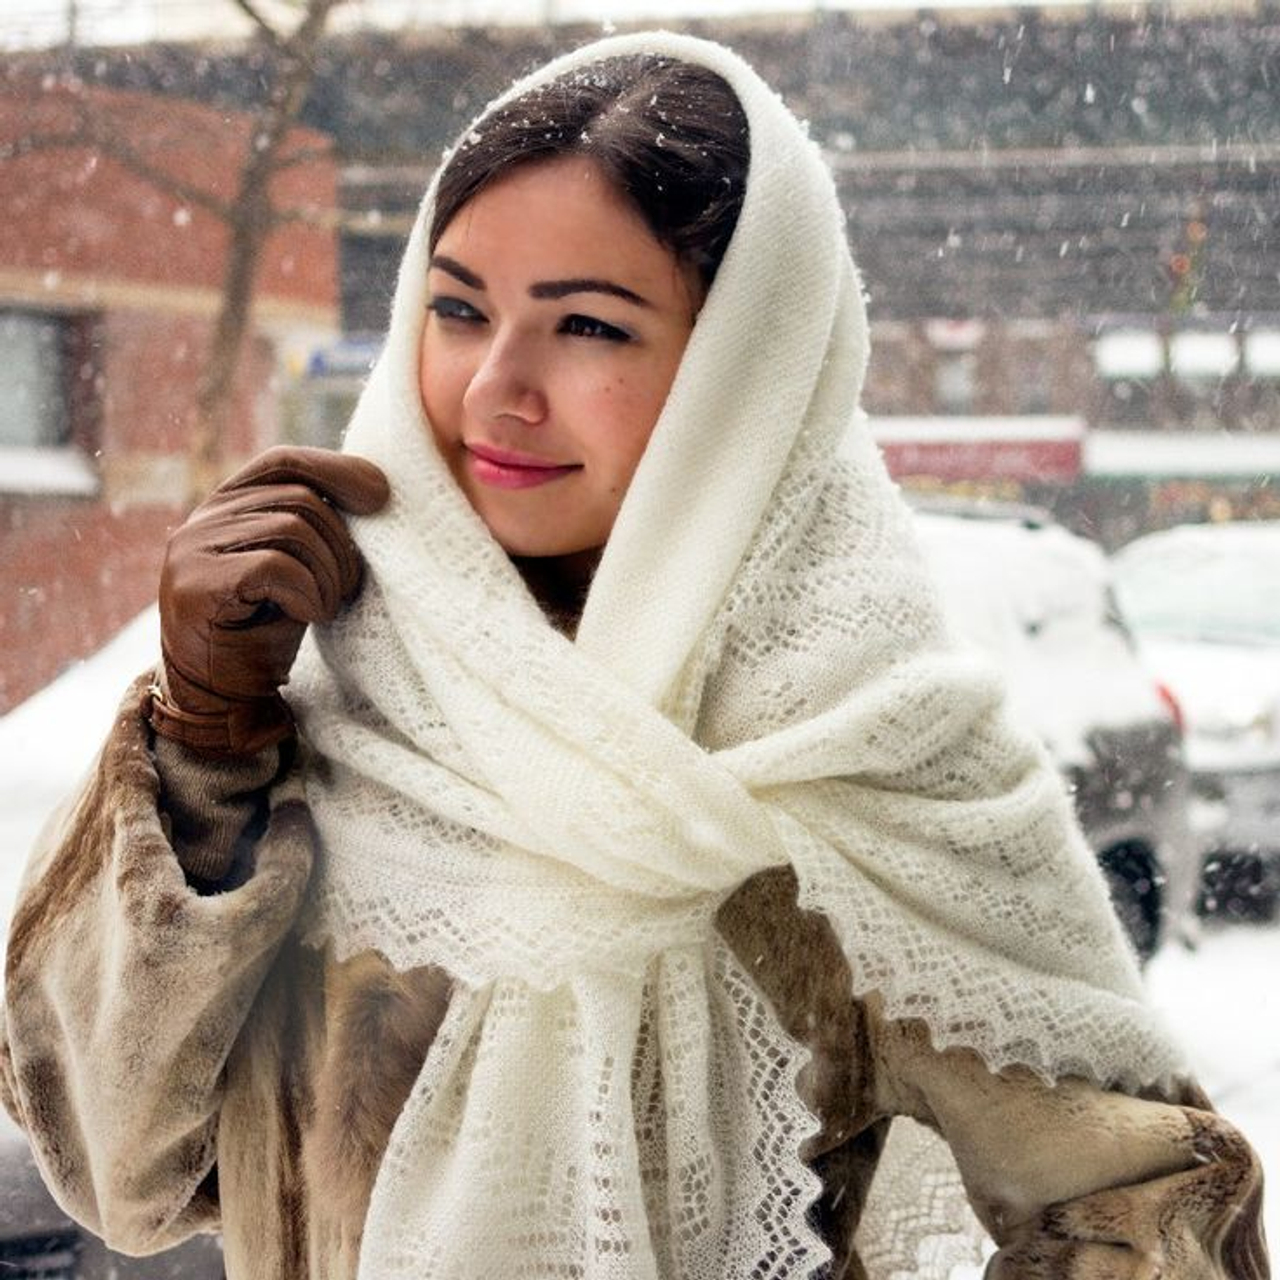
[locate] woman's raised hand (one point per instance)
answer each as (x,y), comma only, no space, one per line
(265,554)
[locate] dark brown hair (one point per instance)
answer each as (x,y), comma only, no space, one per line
(671,136)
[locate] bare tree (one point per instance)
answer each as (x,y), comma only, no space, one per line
(250,214)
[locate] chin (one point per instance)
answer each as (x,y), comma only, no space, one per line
(562,558)
(539,544)
(540,549)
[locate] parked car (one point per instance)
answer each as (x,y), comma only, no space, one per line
(1204,602)
(1037,599)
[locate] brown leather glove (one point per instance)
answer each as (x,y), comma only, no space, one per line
(265,554)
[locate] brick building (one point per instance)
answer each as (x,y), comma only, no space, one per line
(108,290)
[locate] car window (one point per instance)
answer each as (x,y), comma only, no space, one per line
(1228,594)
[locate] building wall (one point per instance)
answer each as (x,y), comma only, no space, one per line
(1028,367)
(132,277)
(1017,368)
(87,226)
(74,572)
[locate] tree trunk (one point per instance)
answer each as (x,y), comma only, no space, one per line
(252,221)
(216,388)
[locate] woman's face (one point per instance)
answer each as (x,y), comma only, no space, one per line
(555,326)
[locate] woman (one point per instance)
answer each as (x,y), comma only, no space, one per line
(649,849)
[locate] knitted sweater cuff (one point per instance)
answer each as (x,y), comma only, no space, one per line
(214,808)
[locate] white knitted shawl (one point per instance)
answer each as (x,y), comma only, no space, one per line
(759,678)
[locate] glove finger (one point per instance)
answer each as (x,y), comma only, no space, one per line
(268,575)
(228,519)
(203,584)
(1199,1198)
(350,483)
(253,661)
(294,535)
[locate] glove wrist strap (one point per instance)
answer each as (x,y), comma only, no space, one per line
(239,729)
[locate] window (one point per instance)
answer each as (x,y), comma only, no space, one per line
(955,381)
(1129,361)
(1203,358)
(1129,354)
(1262,353)
(34,412)
(955,369)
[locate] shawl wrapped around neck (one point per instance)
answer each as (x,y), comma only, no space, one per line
(759,678)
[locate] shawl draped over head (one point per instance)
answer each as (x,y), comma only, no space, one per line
(759,678)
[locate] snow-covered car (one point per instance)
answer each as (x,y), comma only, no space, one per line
(1037,599)
(1204,603)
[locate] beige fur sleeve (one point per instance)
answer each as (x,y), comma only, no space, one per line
(1078,1183)
(125,992)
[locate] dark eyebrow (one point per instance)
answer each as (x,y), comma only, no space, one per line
(543,289)
(457,270)
(563,288)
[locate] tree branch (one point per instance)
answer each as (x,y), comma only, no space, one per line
(122,152)
(89,138)
(303,155)
(251,11)
(397,225)
(30,142)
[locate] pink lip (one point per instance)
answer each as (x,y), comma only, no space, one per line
(507,469)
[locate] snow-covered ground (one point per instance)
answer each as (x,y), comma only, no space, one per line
(1222,1000)
(48,742)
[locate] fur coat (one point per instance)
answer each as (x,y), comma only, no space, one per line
(182,1063)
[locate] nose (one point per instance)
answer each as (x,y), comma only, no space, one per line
(507,383)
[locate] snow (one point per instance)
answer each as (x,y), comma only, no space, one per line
(1223,1003)
(1203,355)
(48,742)
(1035,600)
(1200,454)
(1221,1000)
(1230,697)
(33,470)
(1262,353)
(1204,602)
(1129,353)
(40,23)
(1209,541)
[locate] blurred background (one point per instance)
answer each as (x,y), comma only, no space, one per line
(1067,217)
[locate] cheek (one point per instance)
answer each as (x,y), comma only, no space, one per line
(626,413)
(441,385)
(636,403)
